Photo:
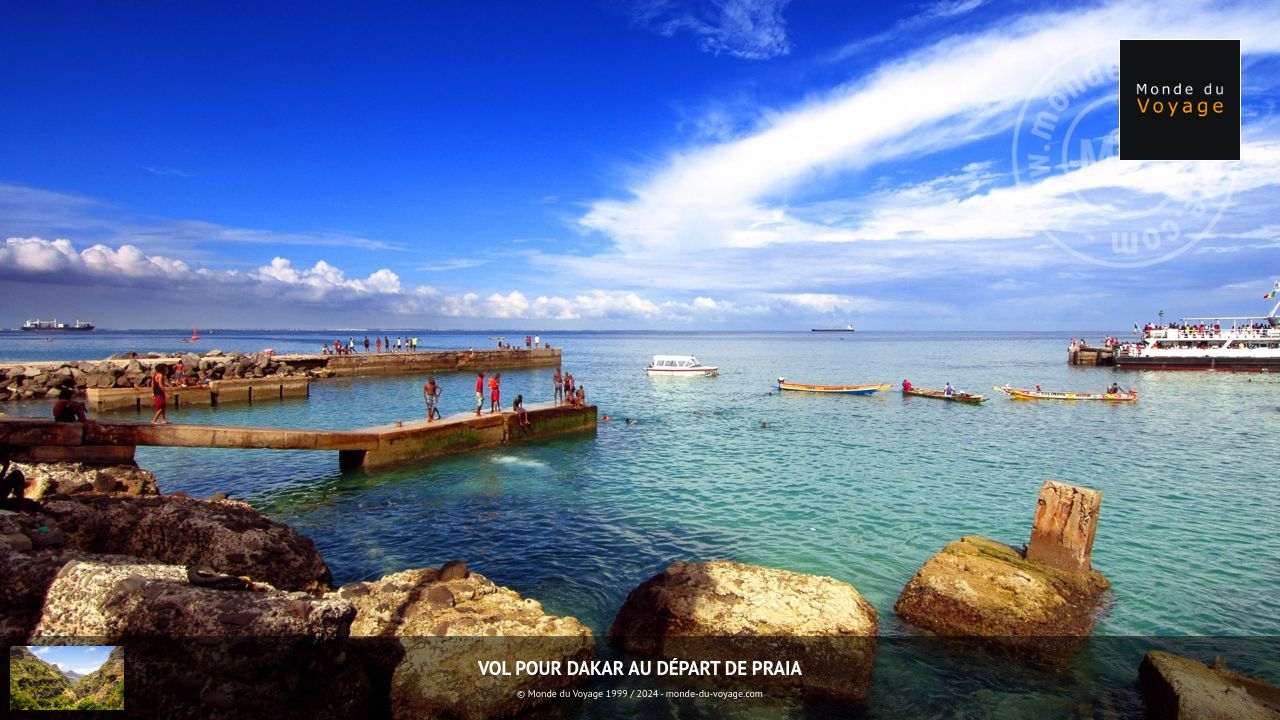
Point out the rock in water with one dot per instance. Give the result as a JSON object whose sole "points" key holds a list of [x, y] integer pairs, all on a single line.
{"points": [[446, 627], [981, 589], [726, 610], [1179, 688], [230, 537]]}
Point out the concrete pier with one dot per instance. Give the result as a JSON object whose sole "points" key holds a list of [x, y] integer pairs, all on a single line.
{"points": [[1088, 355], [39, 440], [218, 392]]}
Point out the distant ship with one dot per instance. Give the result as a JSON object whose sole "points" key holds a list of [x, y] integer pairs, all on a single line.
{"points": [[846, 328], [45, 326]]}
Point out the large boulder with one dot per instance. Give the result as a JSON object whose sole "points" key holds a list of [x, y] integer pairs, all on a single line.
{"points": [[68, 478], [230, 537], [725, 610], [977, 587], [1179, 688], [212, 649], [447, 621]]}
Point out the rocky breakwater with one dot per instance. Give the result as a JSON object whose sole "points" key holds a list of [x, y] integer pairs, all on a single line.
{"points": [[778, 621], [131, 370], [444, 624], [1039, 601]]}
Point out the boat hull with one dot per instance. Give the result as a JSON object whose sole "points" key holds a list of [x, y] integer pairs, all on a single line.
{"points": [[1231, 364], [834, 389], [1023, 394], [683, 372], [967, 398]]}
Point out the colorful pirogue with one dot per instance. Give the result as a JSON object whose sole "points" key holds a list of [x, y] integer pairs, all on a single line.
{"points": [[838, 389], [957, 396], [1024, 394]]}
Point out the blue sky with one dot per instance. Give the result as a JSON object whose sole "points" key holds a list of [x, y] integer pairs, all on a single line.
{"points": [[81, 659], [722, 164]]}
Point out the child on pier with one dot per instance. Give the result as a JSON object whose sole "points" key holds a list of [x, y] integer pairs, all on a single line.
{"points": [[494, 393]]}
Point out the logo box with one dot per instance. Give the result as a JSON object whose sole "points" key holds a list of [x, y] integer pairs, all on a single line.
{"points": [[1179, 99]]}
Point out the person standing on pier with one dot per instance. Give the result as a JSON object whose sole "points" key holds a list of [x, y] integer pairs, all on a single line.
{"points": [[431, 394], [494, 394], [559, 389], [366, 344], [536, 341], [479, 392], [377, 345], [159, 395]]}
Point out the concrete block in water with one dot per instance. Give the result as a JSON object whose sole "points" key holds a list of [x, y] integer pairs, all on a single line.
{"points": [[1065, 523]]}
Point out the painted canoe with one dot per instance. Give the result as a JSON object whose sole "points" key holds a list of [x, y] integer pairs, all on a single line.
{"points": [[960, 397], [1024, 394], [836, 389]]}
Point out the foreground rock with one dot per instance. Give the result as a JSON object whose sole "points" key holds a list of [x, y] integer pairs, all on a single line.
{"points": [[449, 620], [979, 588], [120, 600], [727, 610], [230, 537], [196, 651], [1179, 688], [72, 478]]}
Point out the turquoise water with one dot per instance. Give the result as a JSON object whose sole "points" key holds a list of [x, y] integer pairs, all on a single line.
{"points": [[863, 489]]}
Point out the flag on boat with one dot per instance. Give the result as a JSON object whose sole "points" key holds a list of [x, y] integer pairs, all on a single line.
{"points": [[1135, 328], [1269, 295]]}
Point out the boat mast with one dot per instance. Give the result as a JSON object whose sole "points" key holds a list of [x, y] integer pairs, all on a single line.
{"points": [[1275, 290]]}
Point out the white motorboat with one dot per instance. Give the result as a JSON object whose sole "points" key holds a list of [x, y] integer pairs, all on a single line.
{"points": [[680, 366]]}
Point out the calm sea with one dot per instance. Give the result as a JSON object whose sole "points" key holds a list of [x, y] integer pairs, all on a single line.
{"points": [[863, 489]]}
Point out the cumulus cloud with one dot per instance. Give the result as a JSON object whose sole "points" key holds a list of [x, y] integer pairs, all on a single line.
{"points": [[749, 29], [34, 259]]}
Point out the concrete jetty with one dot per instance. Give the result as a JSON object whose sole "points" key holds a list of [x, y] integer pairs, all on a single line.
{"points": [[40, 440], [218, 392]]}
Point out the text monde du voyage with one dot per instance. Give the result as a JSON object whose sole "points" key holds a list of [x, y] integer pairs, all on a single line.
{"points": [[1181, 99]]}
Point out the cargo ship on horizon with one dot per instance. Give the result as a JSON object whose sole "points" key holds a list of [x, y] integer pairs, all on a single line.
{"points": [[44, 326]]}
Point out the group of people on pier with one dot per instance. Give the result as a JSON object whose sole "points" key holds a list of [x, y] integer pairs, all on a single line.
{"points": [[379, 345], [566, 392]]}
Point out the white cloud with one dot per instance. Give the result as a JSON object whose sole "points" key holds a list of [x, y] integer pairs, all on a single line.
{"points": [[750, 29], [724, 215]]}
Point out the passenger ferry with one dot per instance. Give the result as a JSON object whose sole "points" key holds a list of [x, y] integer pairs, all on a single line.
{"points": [[55, 326], [680, 366], [1248, 344]]}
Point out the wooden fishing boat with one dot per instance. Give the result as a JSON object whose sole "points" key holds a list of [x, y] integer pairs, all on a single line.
{"points": [[1025, 394], [957, 396], [837, 389]]}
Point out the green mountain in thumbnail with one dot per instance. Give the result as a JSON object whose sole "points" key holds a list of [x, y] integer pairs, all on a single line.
{"points": [[104, 687], [37, 685]]}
